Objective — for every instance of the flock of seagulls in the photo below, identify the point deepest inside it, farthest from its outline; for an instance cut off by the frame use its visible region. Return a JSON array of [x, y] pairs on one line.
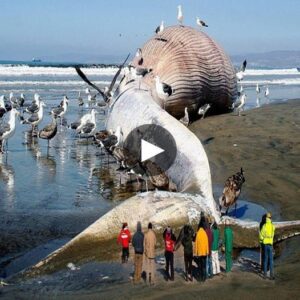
[[33, 114], [199, 22], [240, 103]]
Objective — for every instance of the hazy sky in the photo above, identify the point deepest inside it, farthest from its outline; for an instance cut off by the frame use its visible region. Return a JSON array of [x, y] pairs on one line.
[[44, 28]]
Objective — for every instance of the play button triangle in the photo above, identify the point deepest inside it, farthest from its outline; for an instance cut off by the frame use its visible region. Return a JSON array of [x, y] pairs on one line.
[[149, 150]]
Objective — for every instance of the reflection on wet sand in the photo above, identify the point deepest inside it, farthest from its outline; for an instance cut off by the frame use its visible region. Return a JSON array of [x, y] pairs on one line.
[[117, 185], [7, 176], [43, 161]]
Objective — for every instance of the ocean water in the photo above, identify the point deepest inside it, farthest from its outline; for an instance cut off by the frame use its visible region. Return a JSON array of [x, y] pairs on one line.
[[45, 197]]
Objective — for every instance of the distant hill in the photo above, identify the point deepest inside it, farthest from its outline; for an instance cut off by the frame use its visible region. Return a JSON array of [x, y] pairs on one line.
[[272, 59]]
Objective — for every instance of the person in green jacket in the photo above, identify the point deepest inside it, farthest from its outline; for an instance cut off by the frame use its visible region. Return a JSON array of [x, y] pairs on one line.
[[228, 240], [215, 249]]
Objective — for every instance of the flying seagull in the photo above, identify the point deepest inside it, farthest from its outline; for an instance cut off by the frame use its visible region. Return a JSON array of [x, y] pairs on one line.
[[240, 74], [85, 79]]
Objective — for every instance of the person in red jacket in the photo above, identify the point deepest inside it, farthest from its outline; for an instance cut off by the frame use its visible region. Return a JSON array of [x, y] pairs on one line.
[[124, 239], [170, 240]]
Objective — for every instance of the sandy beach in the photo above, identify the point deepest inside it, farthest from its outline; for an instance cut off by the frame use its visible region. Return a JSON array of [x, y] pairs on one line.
[[266, 143]]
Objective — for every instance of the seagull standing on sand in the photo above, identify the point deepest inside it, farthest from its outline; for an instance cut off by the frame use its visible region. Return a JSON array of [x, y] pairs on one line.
[[201, 23], [203, 110], [240, 74], [257, 89], [241, 104], [8, 130], [180, 15], [185, 120], [160, 28]]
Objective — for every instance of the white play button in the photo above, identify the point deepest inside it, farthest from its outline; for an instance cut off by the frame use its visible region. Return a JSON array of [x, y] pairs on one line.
[[149, 150]]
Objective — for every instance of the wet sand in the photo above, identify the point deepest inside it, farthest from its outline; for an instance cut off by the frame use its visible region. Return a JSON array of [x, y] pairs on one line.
[[266, 143]]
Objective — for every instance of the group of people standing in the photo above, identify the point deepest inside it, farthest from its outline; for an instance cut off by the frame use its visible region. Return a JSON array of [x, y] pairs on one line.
[[201, 247]]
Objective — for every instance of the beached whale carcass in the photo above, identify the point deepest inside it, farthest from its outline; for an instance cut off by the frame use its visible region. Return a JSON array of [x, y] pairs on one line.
[[194, 65]]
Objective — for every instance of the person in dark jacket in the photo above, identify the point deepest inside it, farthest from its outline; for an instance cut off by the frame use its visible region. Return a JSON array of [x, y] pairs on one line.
[[170, 239], [209, 233], [138, 245], [185, 238]]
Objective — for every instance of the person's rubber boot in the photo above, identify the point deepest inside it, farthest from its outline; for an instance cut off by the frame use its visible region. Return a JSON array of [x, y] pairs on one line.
[[150, 278], [123, 259]]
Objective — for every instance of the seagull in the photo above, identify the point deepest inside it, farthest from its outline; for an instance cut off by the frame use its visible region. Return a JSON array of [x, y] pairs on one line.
[[180, 15], [257, 89], [232, 190], [203, 110], [240, 74], [80, 100], [21, 100], [160, 28], [35, 118], [163, 89], [13, 100], [88, 117], [2, 106], [88, 125], [49, 131], [185, 120], [201, 23], [241, 91], [240, 104], [91, 98], [35, 105], [139, 57], [59, 112], [7, 130], [267, 92], [109, 141]]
